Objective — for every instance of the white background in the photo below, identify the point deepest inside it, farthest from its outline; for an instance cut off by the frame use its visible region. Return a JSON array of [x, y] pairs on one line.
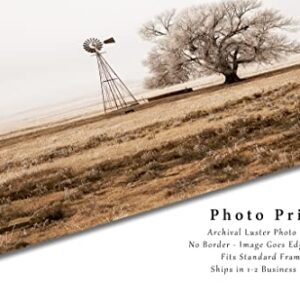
[[147, 257]]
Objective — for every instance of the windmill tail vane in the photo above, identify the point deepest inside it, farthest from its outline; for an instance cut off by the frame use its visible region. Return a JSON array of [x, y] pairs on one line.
[[115, 94]]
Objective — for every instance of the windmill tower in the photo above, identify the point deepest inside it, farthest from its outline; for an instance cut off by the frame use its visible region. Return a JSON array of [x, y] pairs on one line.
[[115, 94]]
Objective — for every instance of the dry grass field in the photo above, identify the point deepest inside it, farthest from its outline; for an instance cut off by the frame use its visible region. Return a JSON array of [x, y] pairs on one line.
[[70, 176]]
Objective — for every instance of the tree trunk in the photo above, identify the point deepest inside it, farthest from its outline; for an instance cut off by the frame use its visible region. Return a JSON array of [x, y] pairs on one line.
[[231, 78]]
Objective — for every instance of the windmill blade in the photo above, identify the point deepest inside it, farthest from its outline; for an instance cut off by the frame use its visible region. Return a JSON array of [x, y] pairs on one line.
[[109, 41]]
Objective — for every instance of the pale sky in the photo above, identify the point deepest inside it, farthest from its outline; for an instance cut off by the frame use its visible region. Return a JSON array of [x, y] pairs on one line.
[[42, 61]]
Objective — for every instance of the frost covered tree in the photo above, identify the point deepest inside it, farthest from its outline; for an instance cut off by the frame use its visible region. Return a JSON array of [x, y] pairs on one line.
[[215, 38]]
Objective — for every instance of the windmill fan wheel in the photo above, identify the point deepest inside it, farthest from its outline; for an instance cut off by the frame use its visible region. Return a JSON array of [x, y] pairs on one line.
[[92, 45]]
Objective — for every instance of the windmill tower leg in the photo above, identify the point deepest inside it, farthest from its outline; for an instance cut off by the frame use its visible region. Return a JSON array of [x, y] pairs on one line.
[[101, 83], [121, 82], [115, 93]]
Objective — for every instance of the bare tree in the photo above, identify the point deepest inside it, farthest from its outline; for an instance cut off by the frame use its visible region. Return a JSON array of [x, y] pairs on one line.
[[172, 68], [160, 26], [216, 38]]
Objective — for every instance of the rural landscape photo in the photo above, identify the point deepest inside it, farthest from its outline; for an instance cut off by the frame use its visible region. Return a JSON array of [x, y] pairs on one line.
[[218, 105]]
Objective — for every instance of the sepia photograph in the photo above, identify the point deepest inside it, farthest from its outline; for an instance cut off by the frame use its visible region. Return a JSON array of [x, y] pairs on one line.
[[113, 109]]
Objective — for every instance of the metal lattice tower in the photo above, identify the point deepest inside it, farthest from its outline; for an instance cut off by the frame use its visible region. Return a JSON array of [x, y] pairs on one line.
[[115, 93]]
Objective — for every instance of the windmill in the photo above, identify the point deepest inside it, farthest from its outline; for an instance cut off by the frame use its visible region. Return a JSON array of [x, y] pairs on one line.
[[115, 94]]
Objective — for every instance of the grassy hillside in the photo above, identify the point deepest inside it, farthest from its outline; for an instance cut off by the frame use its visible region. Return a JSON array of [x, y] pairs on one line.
[[76, 174]]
